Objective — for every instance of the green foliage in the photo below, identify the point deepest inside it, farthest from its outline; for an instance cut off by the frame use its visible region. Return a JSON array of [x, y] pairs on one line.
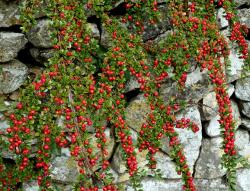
[[84, 84]]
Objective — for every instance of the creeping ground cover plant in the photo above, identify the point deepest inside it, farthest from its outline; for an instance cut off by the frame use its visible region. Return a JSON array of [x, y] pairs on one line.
[[84, 85]]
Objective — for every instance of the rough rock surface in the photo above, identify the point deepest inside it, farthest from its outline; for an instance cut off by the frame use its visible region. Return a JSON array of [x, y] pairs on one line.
[[90, 128], [166, 165], [203, 154], [94, 30], [106, 39], [222, 21], [236, 66], [63, 187], [242, 141], [10, 44], [242, 180], [9, 13], [64, 169], [197, 86], [30, 186], [211, 185], [244, 15], [213, 127], [210, 105], [208, 165], [5, 153], [33, 186], [159, 185], [236, 113], [245, 106], [132, 84], [109, 146], [3, 123], [242, 2], [12, 76], [245, 123], [242, 89], [152, 31], [39, 35], [136, 112], [119, 165], [41, 56], [191, 141]]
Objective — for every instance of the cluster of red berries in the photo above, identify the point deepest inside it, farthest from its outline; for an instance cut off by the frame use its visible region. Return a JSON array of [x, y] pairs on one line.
[[237, 35], [83, 95]]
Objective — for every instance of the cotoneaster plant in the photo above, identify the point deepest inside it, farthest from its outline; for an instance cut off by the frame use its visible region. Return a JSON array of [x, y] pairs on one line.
[[84, 84]]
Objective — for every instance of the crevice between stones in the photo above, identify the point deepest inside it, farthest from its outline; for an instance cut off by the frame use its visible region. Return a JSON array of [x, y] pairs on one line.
[[25, 56], [132, 94], [244, 6], [113, 152], [223, 28], [93, 19], [195, 163], [248, 35], [119, 10], [224, 179], [155, 37], [115, 146], [204, 134], [14, 28]]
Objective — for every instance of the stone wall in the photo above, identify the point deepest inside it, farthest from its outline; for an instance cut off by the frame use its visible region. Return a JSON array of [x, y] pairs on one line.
[[22, 56]]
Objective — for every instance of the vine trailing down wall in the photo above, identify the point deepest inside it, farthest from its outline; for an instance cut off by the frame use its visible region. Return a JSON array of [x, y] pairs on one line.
[[84, 84]]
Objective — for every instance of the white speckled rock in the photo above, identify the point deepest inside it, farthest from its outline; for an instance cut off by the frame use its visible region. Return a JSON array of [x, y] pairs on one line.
[[94, 30], [67, 167], [241, 138], [242, 180], [30, 186], [159, 185], [230, 89], [242, 89], [109, 146], [244, 15], [210, 105], [41, 56], [242, 2], [132, 84], [236, 113], [9, 13], [242, 141], [222, 21], [39, 35], [191, 141], [64, 169], [236, 67], [12, 76], [208, 165], [136, 112], [245, 122], [3, 123], [211, 185], [245, 108], [33, 186], [213, 127], [197, 86], [10, 44], [166, 165], [63, 187], [119, 165]]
